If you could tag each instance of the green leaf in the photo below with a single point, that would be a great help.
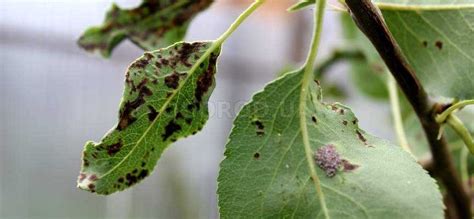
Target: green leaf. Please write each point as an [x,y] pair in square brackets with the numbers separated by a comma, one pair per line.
[165,98]
[368,75]
[300,5]
[437,39]
[265,173]
[152,25]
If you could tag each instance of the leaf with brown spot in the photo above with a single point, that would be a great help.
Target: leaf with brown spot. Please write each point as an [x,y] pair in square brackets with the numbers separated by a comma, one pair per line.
[151,116]
[436,38]
[269,176]
[152,25]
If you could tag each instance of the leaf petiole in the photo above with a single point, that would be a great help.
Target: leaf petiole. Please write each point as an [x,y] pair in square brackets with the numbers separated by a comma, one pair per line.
[441,118]
[307,78]
[462,131]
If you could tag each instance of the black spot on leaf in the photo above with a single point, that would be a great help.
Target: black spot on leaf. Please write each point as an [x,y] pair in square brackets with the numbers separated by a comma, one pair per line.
[206,79]
[256,155]
[172,80]
[142,174]
[260,128]
[439,45]
[91,186]
[131,179]
[148,56]
[125,117]
[170,129]
[361,137]
[140,63]
[152,114]
[341,111]
[113,149]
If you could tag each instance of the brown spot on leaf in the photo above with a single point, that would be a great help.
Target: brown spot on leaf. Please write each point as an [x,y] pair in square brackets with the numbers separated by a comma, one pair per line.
[313,118]
[140,63]
[439,45]
[113,149]
[347,166]
[93,177]
[148,56]
[206,79]
[260,128]
[172,80]
[91,186]
[131,179]
[185,52]
[256,155]
[341,111]
[425,43]
[82,176]
[344,122]
[164,61]
[125,117]
[152,114]
[142,174]
[170,129]
[361,137]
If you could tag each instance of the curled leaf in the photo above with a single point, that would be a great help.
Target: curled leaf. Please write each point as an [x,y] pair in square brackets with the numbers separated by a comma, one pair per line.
[165,98]
[152,25]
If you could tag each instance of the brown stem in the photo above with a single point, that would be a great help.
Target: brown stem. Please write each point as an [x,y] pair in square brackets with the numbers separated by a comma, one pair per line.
[369,21]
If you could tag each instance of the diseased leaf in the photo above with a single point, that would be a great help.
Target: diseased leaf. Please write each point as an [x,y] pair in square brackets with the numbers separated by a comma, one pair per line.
[164,99]
[152,25]
[265,173]
[437,39]
[300,5]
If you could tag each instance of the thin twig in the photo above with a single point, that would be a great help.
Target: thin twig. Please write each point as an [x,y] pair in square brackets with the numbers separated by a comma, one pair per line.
[369,20]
